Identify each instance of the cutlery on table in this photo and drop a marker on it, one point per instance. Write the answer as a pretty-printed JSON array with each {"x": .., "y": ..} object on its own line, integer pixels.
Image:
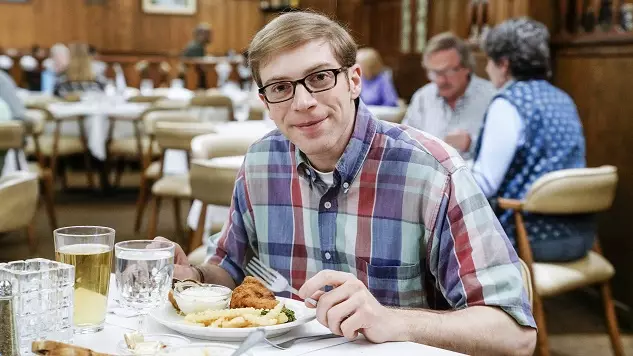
[
  {"x": 287, "y": 344},
  {"x": 251, "y": 340},
  {"x": 272, "y": 279}
]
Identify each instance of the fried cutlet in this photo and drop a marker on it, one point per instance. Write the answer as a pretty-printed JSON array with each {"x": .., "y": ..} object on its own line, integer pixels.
[{"x": 252, "y": 294}]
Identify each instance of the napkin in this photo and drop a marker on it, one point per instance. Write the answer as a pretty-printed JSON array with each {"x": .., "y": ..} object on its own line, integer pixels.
[{"x": 304, "y": 346}]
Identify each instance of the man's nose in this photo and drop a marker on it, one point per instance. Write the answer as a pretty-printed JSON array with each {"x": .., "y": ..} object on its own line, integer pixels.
[{"x": 303, "y": 98}]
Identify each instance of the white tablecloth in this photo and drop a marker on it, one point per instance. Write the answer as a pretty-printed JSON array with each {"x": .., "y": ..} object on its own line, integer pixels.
[
  {"x": 97, "y": 124},
  {"x": 106, "y": 341}
]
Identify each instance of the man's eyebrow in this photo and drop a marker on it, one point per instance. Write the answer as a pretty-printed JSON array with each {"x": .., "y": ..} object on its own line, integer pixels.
[{"x": 314, "y": 68}]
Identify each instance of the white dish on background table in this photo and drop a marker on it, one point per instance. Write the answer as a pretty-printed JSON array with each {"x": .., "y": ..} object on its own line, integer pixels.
[{"x": 167, "y": 316}]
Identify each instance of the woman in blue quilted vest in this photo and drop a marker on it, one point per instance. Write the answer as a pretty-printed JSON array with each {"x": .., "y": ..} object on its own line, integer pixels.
[{"x": 531, "y": 128}]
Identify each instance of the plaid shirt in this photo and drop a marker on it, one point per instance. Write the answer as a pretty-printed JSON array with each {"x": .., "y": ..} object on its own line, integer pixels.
[{"x": 404, "y": 215}]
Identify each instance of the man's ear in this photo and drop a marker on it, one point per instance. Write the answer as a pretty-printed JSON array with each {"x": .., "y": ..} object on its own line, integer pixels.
[
  {"x": 355, "y": 83},
  {"x": 263, "y": 99}
]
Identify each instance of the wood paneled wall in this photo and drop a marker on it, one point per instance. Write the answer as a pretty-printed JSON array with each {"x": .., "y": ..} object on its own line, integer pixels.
[
  {"x": 597, "y": 78},
  {"x": 120, "y": 26}
]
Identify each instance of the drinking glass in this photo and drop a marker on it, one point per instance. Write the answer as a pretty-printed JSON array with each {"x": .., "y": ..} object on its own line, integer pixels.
[
  {"x": 144, "y": 271},
  {"x": 89, "y": 249}
]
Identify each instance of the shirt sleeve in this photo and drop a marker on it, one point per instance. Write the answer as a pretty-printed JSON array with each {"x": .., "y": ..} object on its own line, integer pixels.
[
  {"x": 415, "y": 111},
  {"x": 470, "y": 256},
  {"x": 9, "y": 93},
  {"x": 233, "y": 243},
  {"x": 502, "y": 134},
  {"x": 389, "y": 94}
]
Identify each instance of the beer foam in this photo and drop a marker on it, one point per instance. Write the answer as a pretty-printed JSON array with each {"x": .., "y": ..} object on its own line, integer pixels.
[{"x": 84, "y": 249}]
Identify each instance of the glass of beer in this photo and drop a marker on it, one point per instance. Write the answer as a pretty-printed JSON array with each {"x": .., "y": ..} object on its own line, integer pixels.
[{"x": 89, "y": 249}]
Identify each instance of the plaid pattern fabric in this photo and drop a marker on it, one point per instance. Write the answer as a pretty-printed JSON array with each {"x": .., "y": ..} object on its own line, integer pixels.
[{"x": 403, "y": 213}]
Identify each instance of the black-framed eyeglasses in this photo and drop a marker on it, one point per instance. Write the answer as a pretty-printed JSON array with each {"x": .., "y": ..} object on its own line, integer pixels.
[{"x": 314, "y": 83}]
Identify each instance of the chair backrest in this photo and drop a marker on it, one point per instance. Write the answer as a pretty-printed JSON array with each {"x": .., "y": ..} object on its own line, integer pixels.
[
  {"x": 212, "y": 180},
  {"x": 19, "y": 193},
  {"x": 154, "y": 116},
  {"x": 145, "y": 99},
  {"x": 215, "y": 101},
  {"x": 178, "y": 135},
  {"x": 256, "y": 113},
  {"x": 11, "y": 135},
  {"x": 222, "y": 145},
  {"x": 573, "y": 191},
  {"x": 527, "y": 280}
]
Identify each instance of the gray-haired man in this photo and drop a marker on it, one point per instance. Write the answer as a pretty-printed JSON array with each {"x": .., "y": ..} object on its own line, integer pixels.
[{"x": 453, "y": 105}]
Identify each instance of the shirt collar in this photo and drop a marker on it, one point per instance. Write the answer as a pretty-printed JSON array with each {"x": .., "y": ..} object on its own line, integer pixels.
[
  {"x": 507, "y": 85},
  {"x": 355, "y": 153}
]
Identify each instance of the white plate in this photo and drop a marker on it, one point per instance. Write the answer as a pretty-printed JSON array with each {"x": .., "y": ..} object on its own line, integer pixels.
[{"x": 167, "y": 316}]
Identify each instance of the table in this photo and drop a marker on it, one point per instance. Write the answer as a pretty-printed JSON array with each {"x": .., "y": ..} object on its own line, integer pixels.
[{"x": 107, "y": 339}]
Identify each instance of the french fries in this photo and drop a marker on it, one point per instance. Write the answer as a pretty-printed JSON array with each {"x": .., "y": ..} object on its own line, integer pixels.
[{"x": 238, "y": 318}]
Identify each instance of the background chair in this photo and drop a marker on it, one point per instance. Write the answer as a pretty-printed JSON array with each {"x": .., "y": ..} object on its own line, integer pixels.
[
  {"x": 176, "y": 136},
  {"x": 12, "y": 136},
  {"x": 152, "y": 170},
  {"x": 217, "y": 159},
  {"x": 570, "y": 191},
  {"x": 208, "y": 107},
  {"x": 18, "y": 194},
  {"x": 55, "y": 146}
]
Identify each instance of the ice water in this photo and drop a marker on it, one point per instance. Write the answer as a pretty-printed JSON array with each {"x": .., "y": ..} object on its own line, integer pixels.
[{"x": 144, "y": 277}]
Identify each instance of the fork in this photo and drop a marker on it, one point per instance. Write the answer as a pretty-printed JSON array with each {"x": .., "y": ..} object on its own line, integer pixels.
[
  {"x": 272, "y": 279},
  {"x": 287, "y": 344}
]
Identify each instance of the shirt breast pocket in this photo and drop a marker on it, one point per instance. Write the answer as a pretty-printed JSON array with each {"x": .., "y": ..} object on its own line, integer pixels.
[{"x": 393, "y": 285}]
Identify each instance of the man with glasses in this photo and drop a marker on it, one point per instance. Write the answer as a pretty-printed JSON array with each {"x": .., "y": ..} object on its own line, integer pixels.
[
  {"x": 381, "y": 224},
  {"x": 453, "y": 105}
]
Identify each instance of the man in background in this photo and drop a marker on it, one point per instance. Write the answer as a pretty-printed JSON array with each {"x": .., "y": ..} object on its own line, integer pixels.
[
  {"x": 197, "y": 48},
  {"x": 453, "y": 105}
]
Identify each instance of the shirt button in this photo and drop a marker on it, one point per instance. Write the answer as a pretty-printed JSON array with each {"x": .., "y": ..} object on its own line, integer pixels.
[
  {"x": 345, "y": 185},
  {"x": 328, "y": 256},
  {"x": 327, "y": 205}
]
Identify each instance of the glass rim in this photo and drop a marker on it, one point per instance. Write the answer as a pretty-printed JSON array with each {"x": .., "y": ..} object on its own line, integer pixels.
[
  {"x": 107, "y": 231},
  {"x": 119, "y": 245}
]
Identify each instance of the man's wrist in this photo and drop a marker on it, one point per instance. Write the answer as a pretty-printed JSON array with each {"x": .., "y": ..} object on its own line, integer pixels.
[{"x": 396, "y": 324}]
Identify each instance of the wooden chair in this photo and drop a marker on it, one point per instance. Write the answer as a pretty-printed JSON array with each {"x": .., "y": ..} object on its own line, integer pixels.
[
  {"x": 217, "y": 159},
  {"x": 129, "y": 148},
  {"x": 571, "y": 191},
  {"x": 177, "y": 136},
  {"x": 55, "y": 146},
  {"x": 151, "y": 170},
  {"x": 12, "y": 136},
  {"x": 18, "y": 194}
]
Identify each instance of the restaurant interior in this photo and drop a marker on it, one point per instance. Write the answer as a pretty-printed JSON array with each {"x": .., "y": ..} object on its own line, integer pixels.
[{"x": 157, "y": 150}]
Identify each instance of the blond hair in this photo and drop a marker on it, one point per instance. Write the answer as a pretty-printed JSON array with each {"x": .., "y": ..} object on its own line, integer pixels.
[
  {"x": 447, "y": 40},
  {"x": 294, "y": 29},
  {"x": 371, "y": 62},
  {"x": 80, "y": 65}
]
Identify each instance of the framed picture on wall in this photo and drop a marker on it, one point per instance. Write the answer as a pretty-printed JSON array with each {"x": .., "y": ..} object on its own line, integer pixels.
[{"x": 170, "y": 7}]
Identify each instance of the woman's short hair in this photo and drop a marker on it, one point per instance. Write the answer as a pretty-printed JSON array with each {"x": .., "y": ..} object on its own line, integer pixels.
[
  {"x": 294, "y": 29},
  {"x": 447, "y": 40},
  {"x": 524, "y": 43}
]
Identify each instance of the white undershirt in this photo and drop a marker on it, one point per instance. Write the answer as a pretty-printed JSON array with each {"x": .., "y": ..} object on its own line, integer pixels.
[
  {"x": 503, "y": 134},
  {"x": 326, "y": 177}
]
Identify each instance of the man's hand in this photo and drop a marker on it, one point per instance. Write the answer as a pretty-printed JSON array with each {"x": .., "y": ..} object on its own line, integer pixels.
[
  {"x": 182, "y": 268},
  {"x": 459, "y": 139},
  {"x": 349, "y": 308}
]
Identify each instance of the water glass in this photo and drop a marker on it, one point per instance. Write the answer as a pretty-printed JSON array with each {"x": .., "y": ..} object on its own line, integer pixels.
[
  {"x": 144, "y": 271},
  {"x": 89, "y": 249}
]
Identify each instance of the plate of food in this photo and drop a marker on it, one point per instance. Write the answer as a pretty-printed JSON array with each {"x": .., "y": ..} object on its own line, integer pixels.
[{"x": 214, "y": 312}]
